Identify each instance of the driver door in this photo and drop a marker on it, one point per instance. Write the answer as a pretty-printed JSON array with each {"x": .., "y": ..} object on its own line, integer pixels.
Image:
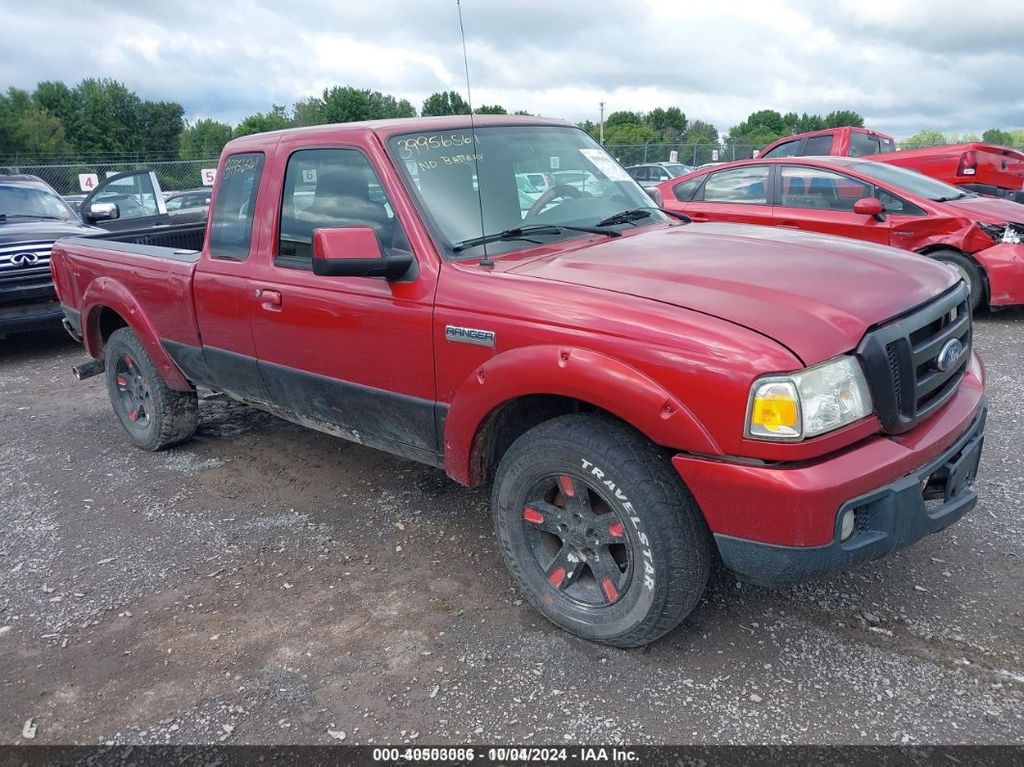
[
  {"x": 353, "y": 353},
  {"x": 139, "y": 200}
]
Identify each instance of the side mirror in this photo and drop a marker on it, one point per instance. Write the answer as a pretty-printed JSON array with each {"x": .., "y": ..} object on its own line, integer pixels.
[
  {"x": 103, "y": 211},
  {"x": 355, "y": 252},
  {"x": 869, "y": 206}
]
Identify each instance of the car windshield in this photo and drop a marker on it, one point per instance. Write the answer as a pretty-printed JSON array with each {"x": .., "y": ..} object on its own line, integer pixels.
[
  {"x": 909, "y": 181},
  {"x": 32, "y": 202},
  {"x": 586, "y": 185}
]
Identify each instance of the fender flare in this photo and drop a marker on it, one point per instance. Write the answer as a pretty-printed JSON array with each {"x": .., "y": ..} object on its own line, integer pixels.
[
  {"x": 106, "y": 293},
  {"x": 582, "y": 374}
]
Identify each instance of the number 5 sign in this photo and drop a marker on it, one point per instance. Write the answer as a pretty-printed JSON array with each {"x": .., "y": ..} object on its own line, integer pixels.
[
  {"x": 209, "y": 175},
  {"x": 88, "y": 181}
]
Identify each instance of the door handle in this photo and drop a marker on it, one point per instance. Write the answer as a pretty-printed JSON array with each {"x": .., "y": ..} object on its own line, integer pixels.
[
  {"x": 787, "y": 225},
  {"x": 271, "y": 299}
]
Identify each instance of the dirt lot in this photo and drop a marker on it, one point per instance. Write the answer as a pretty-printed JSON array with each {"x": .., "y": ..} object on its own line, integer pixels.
[{"x": 268, "y": 584}]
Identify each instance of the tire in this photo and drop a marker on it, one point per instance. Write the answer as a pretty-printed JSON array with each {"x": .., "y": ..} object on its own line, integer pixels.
[
  {"x": 969, "y": 270},
  {"x": 600, "y": 533},
  {"x": 154, "y": 415}
]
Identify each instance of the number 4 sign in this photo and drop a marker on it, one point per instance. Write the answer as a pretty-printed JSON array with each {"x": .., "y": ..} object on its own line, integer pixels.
[
  {"x": 88, "y": 181},
  {"x": 209, "y": 175}
]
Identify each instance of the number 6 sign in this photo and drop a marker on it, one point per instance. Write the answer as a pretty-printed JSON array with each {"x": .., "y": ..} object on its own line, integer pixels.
[{"x": 209, "y": 175}]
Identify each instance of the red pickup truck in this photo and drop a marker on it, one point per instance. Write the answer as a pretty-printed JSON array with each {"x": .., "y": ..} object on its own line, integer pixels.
[
  {"x": 640, "y": 391},
  {"x": 989, "y": 169}
]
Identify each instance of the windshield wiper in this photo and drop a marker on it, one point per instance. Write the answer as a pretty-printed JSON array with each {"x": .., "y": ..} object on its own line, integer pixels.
[
  {"x": 5, "y": 216},
  {"x": 523, "y": 232},
  {"x": 635, "y": 214}
]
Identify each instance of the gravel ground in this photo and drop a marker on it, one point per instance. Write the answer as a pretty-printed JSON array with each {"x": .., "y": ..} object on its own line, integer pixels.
[{"x": 269, "y": 584}]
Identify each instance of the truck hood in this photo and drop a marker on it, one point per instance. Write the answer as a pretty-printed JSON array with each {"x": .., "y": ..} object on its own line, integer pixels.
[
  {"x": 814, "y": 294},
  {"x": 26, "y": 230},
  {"x": 989, "y": 209}
]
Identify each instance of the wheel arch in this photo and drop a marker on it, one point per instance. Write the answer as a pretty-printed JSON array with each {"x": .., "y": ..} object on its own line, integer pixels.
[
  {"x": 931, "y": 250},
  {"x": 521, "y": 388},
  {"x": 108, "y": 305}
]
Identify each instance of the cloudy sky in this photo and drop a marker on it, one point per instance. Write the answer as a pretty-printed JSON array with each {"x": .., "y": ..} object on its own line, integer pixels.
[{"x": 904, "y": 64}]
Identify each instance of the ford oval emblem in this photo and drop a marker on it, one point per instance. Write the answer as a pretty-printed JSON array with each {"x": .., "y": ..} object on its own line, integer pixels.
[{"x": 949, "y": 354}]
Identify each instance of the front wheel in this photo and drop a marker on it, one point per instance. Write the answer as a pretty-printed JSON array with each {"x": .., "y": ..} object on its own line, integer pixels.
[
  {"x": 599, "y": 532},
  {"x": 969, "y": 272}
]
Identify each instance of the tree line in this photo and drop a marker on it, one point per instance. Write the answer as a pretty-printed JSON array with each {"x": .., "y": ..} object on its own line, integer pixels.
[{"x": 103, "y": 117}]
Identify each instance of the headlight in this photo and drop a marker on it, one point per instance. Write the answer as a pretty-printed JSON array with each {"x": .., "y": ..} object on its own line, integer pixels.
[
  {"x": 1011, "y": 234},
  {"x": 805, "y": 404}
]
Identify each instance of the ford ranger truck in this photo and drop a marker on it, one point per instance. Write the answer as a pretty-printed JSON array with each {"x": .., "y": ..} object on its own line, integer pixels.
[{"x": 641, "y": 393}]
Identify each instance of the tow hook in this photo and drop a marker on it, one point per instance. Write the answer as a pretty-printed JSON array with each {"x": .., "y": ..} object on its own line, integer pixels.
[{"x": 88, "y": 369}]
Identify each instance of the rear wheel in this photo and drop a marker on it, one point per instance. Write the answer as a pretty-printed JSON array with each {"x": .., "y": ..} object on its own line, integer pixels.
[
  {"x": 154, "y": 415},
  {"x": 601, "y": 535},
  {"x": 969, "y": 272}
]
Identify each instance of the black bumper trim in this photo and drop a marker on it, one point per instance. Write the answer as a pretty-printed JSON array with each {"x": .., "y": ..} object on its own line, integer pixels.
[{"x": 889, "y": 518}]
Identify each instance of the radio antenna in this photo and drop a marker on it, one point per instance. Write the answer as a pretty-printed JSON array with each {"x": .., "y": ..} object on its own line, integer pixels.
[{"x": 485, "y": 261}]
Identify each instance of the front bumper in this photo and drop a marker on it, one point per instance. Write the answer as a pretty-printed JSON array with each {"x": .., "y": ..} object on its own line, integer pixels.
[
  {"x": 1004, "y": 269},
  {"x": 780, "y": 522},
  {"x": 891, "y": 517}
]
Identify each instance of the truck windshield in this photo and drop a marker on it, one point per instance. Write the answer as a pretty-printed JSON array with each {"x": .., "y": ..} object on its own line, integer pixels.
[
  {"x": 22, "y": 202},
  {"x": 909, "y": 181},
  {"x": 528, "y": 175}
]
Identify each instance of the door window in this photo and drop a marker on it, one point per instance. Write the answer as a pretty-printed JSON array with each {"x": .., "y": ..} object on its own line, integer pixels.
[
  {"x": 819, "y": 189},
  {"x": 864, "y": 143},
  {"x": 818, "y": 145},
  {"x": 134, "y": 196},
  {"x": 327, "y": 189},
  {"x": 789, "y": 149},
  {"x": 748, "y": 184},
  {"x": 231, "y": 228}
]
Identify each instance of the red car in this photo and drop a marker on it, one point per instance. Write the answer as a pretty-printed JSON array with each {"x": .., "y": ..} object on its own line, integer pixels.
[{"x": 865, "y": 200}]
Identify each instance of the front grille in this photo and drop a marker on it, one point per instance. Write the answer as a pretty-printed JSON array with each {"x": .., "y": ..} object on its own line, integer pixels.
[
  {"x": 24, "y": 258},
  {"x": 901, "y": 360}
]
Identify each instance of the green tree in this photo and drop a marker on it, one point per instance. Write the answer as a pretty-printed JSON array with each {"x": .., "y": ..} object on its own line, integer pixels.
[
  {"x": 444, "y": 103},
  {"x": 384, "y": 107},
  {"x": 669, "y": 123},
  {"x": 1016, "y": 138},
  {"x": 630, "y": 133},
  {"x": 203, "y": 140},
  {"x": 843, "y": 117},
  {"x": 623, "y": 118},
  {"x": 927, "y": 137},
  {"x": 161, "y": 125},
  {"x": 493, "y": 109},
  {"x": 996, "y": 136},
  {"x": 261, "y": 122},
  {"x": 700, "y": 132},
  {"x": 759, "y": 129},
  {"x": 26, "y": 128},
  {"x": 110, "y": 118}
]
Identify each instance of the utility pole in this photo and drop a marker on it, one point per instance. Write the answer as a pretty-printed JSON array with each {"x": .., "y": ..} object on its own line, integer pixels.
[{"x": 601, "y": 124}]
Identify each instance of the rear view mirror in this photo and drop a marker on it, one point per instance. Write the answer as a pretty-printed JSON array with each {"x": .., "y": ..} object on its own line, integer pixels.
[
  {"x": 103, "y": 211},
  {"x": 355, "y": 252},
  {"x": 869, "y": 206}
]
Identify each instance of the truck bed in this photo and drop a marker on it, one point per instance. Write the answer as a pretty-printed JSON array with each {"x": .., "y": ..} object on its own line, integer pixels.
[
  {"x": 156, "y": 279},
  {"x": 998, "y": 167}
]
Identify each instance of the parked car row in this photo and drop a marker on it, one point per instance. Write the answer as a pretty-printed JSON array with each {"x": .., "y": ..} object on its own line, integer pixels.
[{"x": 858, "y": 198}]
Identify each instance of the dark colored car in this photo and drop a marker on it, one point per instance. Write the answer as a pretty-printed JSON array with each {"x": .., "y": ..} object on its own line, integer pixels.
[
  {"x": 650, "y": 174},
  {"x": 191, "y": 205},
  {"x": 32, "y": 217}
]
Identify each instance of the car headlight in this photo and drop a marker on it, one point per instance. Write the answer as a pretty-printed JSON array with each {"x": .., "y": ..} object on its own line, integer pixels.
[
  {"x": 808, "y": 403},
  {"x": 1010, "y": 234}
]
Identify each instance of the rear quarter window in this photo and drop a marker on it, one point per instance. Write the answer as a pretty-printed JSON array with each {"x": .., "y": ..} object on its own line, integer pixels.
[
  {"x": 231, "y": 225},
  {"x": 685, "y": 191}
]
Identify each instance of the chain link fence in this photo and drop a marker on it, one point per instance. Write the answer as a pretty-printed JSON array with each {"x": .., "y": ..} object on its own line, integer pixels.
[
  {"x": 688, "y": 154},
  {"x": 68, "y": 177}
]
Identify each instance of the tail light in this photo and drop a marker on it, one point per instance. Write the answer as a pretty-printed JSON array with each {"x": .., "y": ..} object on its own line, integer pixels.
[{"x": 968, "y": 164}]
